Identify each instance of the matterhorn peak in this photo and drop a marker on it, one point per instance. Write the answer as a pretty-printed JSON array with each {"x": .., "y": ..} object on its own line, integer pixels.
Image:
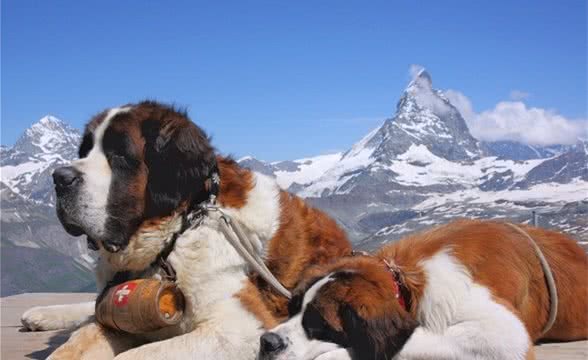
[
  {"x": 421, "y": 79},
  {"x": 425, "y": 117},
  {"x": 420, "y": 95}
]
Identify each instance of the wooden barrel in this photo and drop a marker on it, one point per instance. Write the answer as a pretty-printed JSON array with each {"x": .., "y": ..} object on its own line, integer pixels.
[{"x": 141, "y": 305}]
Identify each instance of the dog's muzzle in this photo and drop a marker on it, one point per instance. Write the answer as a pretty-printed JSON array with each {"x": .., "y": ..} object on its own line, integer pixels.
[
  {"x": 270, "y": 345},
  {"x": 67, "y": 181},
  {"x": 65, "y": 178}
]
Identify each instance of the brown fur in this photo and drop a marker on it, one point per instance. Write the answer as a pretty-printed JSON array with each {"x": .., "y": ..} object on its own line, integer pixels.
[
  {"x": 163, "y": 163},
  {"x": 497, "y": 256},
  {"x": 306, "y": 236},
  {"x": 236, "y": 183},
  {"x": 360, "y": 306},
  {"x": 368, "y": 290},
  {"x": 501, "y": 259}
]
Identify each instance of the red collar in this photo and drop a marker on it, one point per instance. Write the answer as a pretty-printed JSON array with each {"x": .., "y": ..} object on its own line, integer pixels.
[{"x": 397, "y": 283}]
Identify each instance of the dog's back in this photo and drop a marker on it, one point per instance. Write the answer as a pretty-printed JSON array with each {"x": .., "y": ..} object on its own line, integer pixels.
[{"x": 503, "y": 259}]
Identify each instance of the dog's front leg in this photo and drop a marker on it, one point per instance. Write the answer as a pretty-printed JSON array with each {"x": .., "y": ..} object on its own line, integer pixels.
[
  {"x": 57, "y": 317},
  {"x": 93, "y": 341}
]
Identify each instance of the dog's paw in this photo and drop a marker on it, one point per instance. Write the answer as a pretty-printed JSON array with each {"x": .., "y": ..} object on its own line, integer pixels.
[
  {"x": 57, "y": 317},
  {"x": 42, "y": 318}
]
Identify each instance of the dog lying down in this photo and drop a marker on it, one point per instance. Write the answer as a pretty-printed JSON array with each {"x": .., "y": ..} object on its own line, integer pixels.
[{"x": 466, "y": 290}]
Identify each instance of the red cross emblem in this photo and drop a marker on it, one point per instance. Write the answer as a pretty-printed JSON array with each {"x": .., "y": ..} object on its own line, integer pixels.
[{"x": 122, "y": 292}]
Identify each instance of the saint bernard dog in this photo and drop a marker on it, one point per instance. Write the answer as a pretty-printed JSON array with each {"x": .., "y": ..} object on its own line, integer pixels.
[
  {"x": 466, "y": 290},
  {"x": 141, "y": 168}
]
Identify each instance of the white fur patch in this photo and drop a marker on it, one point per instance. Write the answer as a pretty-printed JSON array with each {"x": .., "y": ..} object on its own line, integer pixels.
[
  {"x": 447, "y": 283},
  {"x": 97, "y": 177},
  {"x": 260, "y": 216},
  {"x": 460, "y": 319},
  {"x": 209, "y": 272}
]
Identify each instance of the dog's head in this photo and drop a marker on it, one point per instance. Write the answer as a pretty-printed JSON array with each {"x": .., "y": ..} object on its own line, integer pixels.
[
  {"x": 350, "y": 304},
  {"x": 136, "y": 163}
]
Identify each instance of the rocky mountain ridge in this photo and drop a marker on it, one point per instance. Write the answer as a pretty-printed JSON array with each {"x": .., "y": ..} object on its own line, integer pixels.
[
  {"x": 31, "y": 234},
  {"x": 27, "y": 166},
  {"x": 425, "y": 155}
]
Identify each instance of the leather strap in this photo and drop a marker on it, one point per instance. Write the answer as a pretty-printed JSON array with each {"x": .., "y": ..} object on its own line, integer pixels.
[{"x": 551, "y": 288}]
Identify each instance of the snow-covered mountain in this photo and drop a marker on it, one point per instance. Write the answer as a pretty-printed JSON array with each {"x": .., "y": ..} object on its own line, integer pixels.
[
  {"x": 27, "y": 166},
  {"x": 424, "y": 116},
  {"x": 293, "y": 174},
  {"x": 31, "y": 233},
  {"x": 423, "y": 167},
  {"x": 508, "y": 149},
  {"x": 562, "y": 169}
]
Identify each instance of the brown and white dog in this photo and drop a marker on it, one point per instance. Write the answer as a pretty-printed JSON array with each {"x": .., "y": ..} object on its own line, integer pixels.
[
  {"x": 466, "y": 290},
  {"x": 140, "y": 168}
]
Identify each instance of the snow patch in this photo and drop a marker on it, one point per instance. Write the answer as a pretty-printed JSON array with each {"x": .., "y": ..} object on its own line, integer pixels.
[
  {"x": 309, "y": 169},
  {"x": 8, "y": 173},
  {"x": 244, "y": 158},
  {"x": 340, "y": 173},
  {"x": 419, "y": 167},
  {"x": 576, "y": 190}
]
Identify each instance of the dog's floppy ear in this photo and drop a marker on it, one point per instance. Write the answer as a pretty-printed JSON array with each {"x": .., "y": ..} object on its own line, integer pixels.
[
  {"x": 379, "y": 338},
  {"x": 179, "y": 159}
]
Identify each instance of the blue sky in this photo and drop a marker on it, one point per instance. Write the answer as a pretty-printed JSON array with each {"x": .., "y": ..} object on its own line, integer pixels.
[{"x": 283, "y": 80}]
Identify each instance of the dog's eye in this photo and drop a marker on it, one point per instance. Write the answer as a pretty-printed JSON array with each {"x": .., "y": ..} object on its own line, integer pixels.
[
  {"x": 117, "y": 157},
  {"x": 313, "y": 332},
  {"x": 316, "y": 327},
  {"x": 124, "y": 162},
  {"x": 118, "y": 160},
  {"x": 294, "y": 305},
  {"x": 313, "y": 322}
]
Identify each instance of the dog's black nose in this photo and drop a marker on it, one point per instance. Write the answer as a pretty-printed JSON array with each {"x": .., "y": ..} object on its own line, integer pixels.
[
  {"x": 271, "y": 342},
  {"x": 65, "y": 176}
]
